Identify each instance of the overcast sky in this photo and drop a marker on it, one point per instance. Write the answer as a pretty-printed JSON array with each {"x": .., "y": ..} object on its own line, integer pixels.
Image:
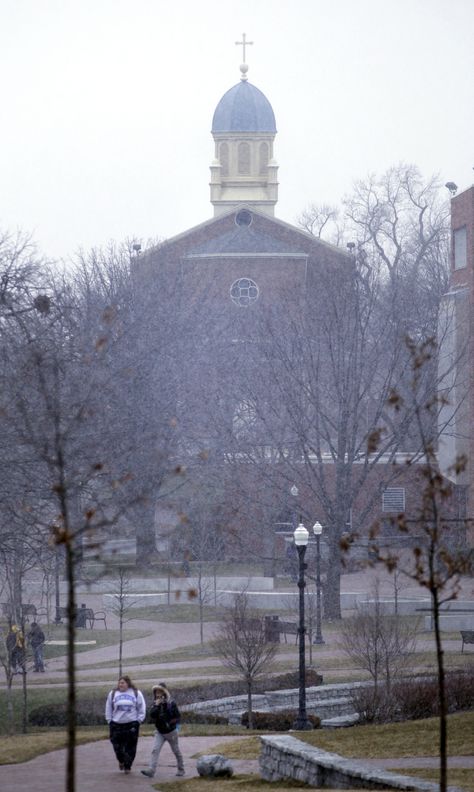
[{"x": 107, "y": 104}]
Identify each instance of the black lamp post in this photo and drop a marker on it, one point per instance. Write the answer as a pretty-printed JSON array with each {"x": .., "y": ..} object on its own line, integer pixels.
[
  {"x": 57, "y": 618},
  {"x": 317, "y": 530},
  {"x": 294, "y": 491},
  {"x": 301, "y": 540}
]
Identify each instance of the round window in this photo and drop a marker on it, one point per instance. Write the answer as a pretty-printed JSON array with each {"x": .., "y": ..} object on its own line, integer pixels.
[
  {"x": 243, "y": 292},
  {"x": 243, "y": 217}
]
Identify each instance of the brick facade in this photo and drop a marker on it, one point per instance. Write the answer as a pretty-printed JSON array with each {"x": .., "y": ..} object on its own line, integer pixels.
[{"x": 460, "y": 309}]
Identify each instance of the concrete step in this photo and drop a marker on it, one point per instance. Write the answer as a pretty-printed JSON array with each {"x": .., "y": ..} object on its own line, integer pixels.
[
  {"x": 340, "y": 722},
  {"x": 331, "y": 708}
]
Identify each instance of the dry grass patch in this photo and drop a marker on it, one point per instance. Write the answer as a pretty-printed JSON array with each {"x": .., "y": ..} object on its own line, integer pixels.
[
  {"x": 239, "y": 783},
  {"x": 411, "y": 738},
  {"x": 463, "y": 778},
  {"x": 23, "y": 747}
]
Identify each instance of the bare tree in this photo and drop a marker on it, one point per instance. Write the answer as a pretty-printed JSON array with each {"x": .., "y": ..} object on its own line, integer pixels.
[
  {"x": 202, "y": 545},
  {"x": 242, "y": 645},
  {"x": 380, "y": 642},
  {"x": 121, "y": 606},
  {"x": 439, "y": 556},
  {"x": 320, "y": 375},
  {"x": 72, "y": 408},
  {"x": 323, "y": 221}
]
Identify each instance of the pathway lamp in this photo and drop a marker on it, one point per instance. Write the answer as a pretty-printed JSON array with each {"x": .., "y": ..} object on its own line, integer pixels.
[
  {"x": 301, "y": 541},
  {"x": 317, "y": 530}
]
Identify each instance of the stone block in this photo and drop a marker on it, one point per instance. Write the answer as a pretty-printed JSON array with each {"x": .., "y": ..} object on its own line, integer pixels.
[{"x": 214, "y": 766}]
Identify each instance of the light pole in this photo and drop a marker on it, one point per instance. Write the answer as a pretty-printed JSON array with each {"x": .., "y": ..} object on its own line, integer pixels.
[
  {"x": 294, "y": 491},
  {"x": 317, "y": 530},
  {"x": 301, "y": 540},
  {"x": 57, "y": 618}
]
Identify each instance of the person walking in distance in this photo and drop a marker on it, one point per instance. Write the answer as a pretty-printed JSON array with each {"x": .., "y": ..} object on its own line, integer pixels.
[
  {"x": 36, "y": 640},
  {"x": 165, "y": 715},
  {"x": 125, "y": 709},
  {"x": 16, "y": 649}
]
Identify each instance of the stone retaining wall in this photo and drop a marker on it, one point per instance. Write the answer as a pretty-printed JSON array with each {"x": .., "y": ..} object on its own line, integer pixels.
[
  {"x": 284, "y": 757},
  {"x": 321, "y": 700},
  {"x": 224, "y": 706}
]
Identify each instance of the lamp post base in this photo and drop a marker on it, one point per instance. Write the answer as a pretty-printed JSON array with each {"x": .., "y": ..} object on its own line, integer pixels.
[
  {"x": 302, "y": 725},
  {"x": 319, "y": 640}
]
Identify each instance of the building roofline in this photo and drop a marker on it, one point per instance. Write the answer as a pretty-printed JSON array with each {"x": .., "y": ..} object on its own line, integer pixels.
[{"x": 282, "y": 223}]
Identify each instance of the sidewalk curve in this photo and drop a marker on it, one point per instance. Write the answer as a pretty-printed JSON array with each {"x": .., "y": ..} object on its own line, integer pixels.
[{"x": 97, "y": 767}]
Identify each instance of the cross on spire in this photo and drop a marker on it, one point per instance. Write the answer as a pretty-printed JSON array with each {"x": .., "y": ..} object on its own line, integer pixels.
[{"x": 244, "y": 43}]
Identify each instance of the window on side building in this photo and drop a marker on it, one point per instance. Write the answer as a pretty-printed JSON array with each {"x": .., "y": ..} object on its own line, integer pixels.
[
  {"x": 393, "y": 499},
  {"x": 460, "y": 247}
]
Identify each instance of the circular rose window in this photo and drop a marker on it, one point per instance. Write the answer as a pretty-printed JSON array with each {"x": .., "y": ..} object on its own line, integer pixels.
[{"x": 244, "y": 292}]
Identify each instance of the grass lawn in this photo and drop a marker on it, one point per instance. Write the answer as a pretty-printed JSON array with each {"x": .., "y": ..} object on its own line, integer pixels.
[
  {"x": 185, "y": 612},
  {"x": 57, "y": 632},
  {"x": 463, "y": 779},
  {"x": 457, "y": 777},
  {"x": 191, "y": 652},
  {"x": 410, "y": 738},
  {"x": 239, "y": 783},
  {"x": 23, "y": 747}
]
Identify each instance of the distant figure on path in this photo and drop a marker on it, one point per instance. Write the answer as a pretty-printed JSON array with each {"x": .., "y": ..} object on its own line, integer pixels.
[
  {"x": 165, "y": 715},
  {"x": 36, "y": 640},
  {"x": 81, "y": 616},
  {"x": 16, "y": 648},
  {"x": 125, "y": 709}
]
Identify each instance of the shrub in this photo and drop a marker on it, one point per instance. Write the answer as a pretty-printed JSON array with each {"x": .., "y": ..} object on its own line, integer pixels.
[
  {"x": 460, "y": 690},
  {"x": 373, "y": 704},
  {"x": 282, "y": 720},
  {"x": 213, "y": 690},
  {"x": 208, "y": 718},
  {"x": 416, "y": 700},
  {"x": 89, "y": 712}
]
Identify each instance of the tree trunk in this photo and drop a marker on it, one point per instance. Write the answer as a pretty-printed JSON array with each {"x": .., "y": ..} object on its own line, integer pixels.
[
  {"x": 9, "y": 675},
  {"x": 443, "y": 710},
  {"x": 120, "y": 643},
  {"x": 249, "y": 704},
  {"x": 332, "y": 589},
  {"x": 71, "y": 672},
  {"x": 24, "y": 719},
  {"x": 146, "y": 542}
]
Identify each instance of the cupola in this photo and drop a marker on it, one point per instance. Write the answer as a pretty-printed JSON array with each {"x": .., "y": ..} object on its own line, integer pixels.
[{"x": 244, "y": 129}]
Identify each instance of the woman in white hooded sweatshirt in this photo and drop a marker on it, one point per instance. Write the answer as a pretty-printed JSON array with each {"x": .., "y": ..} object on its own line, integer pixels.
[{"x": 125, "y": 709}]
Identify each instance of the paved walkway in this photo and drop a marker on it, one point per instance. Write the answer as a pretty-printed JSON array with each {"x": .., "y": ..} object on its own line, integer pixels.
[
  {"x": 168, "y": 636},
  {"x": 97, "y": 767}
]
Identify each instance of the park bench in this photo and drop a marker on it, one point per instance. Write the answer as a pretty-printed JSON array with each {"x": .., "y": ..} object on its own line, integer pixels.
[
  {"x": 467, "y": 638},
  {"x": 88, "y": 617},
  {"x": 287, "y": 628},
  {"x": 97, "y": 616}
]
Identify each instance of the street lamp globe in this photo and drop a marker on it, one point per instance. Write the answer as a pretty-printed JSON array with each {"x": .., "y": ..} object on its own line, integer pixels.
[
  {"x": 301, "y": 536},
  {"x": 294, "y": 491},
  {"x": 317, "y": 528}
]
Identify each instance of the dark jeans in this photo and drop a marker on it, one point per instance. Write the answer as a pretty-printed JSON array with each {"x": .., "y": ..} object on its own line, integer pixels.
[
  {"x": 124, "y": 738},
  {"x": 38, "y": 656}
]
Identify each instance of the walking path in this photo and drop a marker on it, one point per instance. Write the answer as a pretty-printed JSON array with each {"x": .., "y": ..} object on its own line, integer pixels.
[
  {"x": 97, "y": 767},
  {"x": 96, "y": 764}
]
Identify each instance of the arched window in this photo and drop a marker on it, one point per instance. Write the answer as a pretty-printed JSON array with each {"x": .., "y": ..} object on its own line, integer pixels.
[
  {"x": 244, "y": 158},
  {"x": 263, "y": 158},
  {"x": 224, "y": 158}
]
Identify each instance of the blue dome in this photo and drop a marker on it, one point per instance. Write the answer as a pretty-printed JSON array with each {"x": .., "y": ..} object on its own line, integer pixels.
[{"x": 244, "y": 108}]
